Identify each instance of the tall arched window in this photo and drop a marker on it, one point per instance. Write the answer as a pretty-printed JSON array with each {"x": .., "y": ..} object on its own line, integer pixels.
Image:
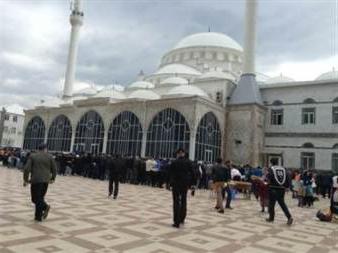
[
  {"x": 208, "y": 139},
  {"x": 34, "y": 134},
  {"x": 60, "y": 134},
  {"x": 167, "y": 132},
  {"x": 89, "y": 133},
  {"x": 125, "y": 135}
]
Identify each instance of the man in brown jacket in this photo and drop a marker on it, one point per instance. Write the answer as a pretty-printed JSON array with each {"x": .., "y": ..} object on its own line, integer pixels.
[{"x": 40, "y": 170}]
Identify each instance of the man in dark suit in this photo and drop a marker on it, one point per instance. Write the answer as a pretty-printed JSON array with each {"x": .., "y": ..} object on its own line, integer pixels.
[
  {"x": 115, "y": 167},
  {"x": 40, "y": 170},
  {"x": 181, "y": 176}
]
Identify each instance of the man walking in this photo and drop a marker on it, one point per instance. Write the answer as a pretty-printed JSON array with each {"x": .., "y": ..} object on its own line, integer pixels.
[
  {"x": 181, "y": 176},
  {"x": 40, "y": 170},
  {"x": 115, "y": 167},
  {"x": 277, "y": 182},
  {"x": 219, "y": 176}
]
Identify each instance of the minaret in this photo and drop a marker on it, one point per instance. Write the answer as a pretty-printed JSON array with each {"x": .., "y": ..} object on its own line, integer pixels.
[
  {"x": 76, "y": 20},
  {"x": 247, "y": 90},
  {"x": 245, "y": 111}
]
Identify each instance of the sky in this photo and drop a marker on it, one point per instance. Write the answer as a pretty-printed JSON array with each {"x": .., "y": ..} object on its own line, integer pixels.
[{"x": 121, "y": 37}]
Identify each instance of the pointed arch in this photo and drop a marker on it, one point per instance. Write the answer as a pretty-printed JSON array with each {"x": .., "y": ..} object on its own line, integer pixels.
[
  {"x": 208, "y": 138},
  {"x": 125, "y": 135},
  {"x": 60, "y": 134},
  {"x": 34, "y": 133},
  {"x": 89, "y": 133},
  {"x": 168, "y": 131}
]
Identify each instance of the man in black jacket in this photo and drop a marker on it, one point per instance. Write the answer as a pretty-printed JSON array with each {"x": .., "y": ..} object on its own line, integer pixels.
[
  {"x": 181, "y": 176},
  {"x": 277, "y": 182},
  {"x": 115, "y": 167}
]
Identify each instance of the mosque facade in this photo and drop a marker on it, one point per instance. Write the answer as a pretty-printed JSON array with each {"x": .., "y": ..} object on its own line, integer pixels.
[{"x": 196, "y": 100}]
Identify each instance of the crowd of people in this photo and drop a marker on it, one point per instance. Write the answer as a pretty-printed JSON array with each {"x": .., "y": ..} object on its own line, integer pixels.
[{"x": 306, "y": 186}]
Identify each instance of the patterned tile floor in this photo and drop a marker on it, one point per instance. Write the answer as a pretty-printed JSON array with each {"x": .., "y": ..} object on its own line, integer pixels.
[{"x": 83, "y": 219}]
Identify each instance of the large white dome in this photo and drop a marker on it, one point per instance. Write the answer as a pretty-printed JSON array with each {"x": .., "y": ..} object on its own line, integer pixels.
[
  {"x": 331, "y": 75},
  {"x": 209, "y": 39},
  {"x": 214, "y": 75},
  {"x": 187, "y": 90}
]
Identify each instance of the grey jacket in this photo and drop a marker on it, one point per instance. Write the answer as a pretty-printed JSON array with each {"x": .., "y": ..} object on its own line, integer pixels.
[{"x": 41, "y": 167}]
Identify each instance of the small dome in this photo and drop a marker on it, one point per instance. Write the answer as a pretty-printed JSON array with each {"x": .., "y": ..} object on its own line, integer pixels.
[
  {"x": 177, "y": 69},
  {"x": 117, "y": 87},
  {"x": 141, "y": 85},
  {"x": 144, "y": 94},
  {"x": 110, "y": 93},
  {"x": 209, "y": 39},
  {"x": 187, "y": 90},
  {"x": 217, "y": 75},
  {"x": 50, "y": 102},
  {"x": 279, "y": 79},
  {"x": 331, "y": 75},
  {"x": 175, "y": 81},
  {"x": 89, "y": 91}
]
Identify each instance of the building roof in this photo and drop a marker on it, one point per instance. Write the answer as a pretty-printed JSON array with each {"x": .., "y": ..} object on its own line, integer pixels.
[
  {"x": 144, "y": 95},
  {"x": 89, "y": 91},
  {"x": 141, "y": 85},
  {"x": 208, "y": 39},
  {"x": 14, "y": 109},
  {"x": 176, "y": 80},
  {"x": 331, "y": 75},
  {"x": 187, "y": 90},
  {"x": 177, "y": 68}
]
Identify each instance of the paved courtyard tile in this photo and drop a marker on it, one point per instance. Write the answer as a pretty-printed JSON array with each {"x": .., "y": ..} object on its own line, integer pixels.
[{"x": 83, "y": 219}]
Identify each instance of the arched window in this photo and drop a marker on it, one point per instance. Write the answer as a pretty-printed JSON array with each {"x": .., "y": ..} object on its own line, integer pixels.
[
  {"x": 167, "y": 132},
  {"x": 125, "y": 135},
  {"x": 34, "y": 134},
  {"x": 60, "y": 134},
  {"x": 89, "y": 133},
  {"x": 308, "y": 145},
  {"x": 208, "y": 139},
  {"x": 335, "y": 100},
  {"x": 309, "y": 101},
  {"x": 335, "y": 146},
  {"x": 277, "y": 102}
]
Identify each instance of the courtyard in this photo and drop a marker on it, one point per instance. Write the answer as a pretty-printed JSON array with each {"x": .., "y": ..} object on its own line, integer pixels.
[{"x": 83, "y": 219}]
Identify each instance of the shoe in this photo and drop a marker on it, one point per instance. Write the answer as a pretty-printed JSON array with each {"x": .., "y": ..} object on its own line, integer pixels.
[
  {"x": 269, "y": 220},
  {"x": 115, "y": 197},
  {"x": 229, "y": 207},
  {"x": 216, "y": 207},
  {"x": 220, "y": 211},
  {"x": 175, "y": 225},
  {"x": 290, "y": 221},
  {"x": 45, "y": 213},
  {"x": 38, "y": 219}
]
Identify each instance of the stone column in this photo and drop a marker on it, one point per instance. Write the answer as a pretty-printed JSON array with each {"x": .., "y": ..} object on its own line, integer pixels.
[
  {"x": 72, "y": 141},
  {"x": 105, "y": 140},
  {"x": 144, "y": 144},
  {"x": 192, "y": 144}
]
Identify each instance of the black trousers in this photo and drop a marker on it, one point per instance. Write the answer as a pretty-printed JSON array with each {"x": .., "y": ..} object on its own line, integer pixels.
[
  {"x": 179, "y": 205},
  {"x": 228, "y": 191},
  {"x": 277, "y": 195},
  {"x": 113, "y": 185},
  {"x": 38, "y": 192}
]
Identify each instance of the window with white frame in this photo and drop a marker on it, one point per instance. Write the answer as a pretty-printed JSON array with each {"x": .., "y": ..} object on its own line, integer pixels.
[
  {"x": 308, "y": 116},
  {"x": 307, "y": 160},
  {"x": 277, "y": 116}
]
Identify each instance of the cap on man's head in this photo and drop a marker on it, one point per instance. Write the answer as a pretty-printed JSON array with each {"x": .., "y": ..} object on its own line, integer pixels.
[{"x": 42, "y": 146}]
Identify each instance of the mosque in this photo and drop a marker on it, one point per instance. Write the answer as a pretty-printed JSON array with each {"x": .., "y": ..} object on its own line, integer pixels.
[{"x": 205, "y": 97}]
